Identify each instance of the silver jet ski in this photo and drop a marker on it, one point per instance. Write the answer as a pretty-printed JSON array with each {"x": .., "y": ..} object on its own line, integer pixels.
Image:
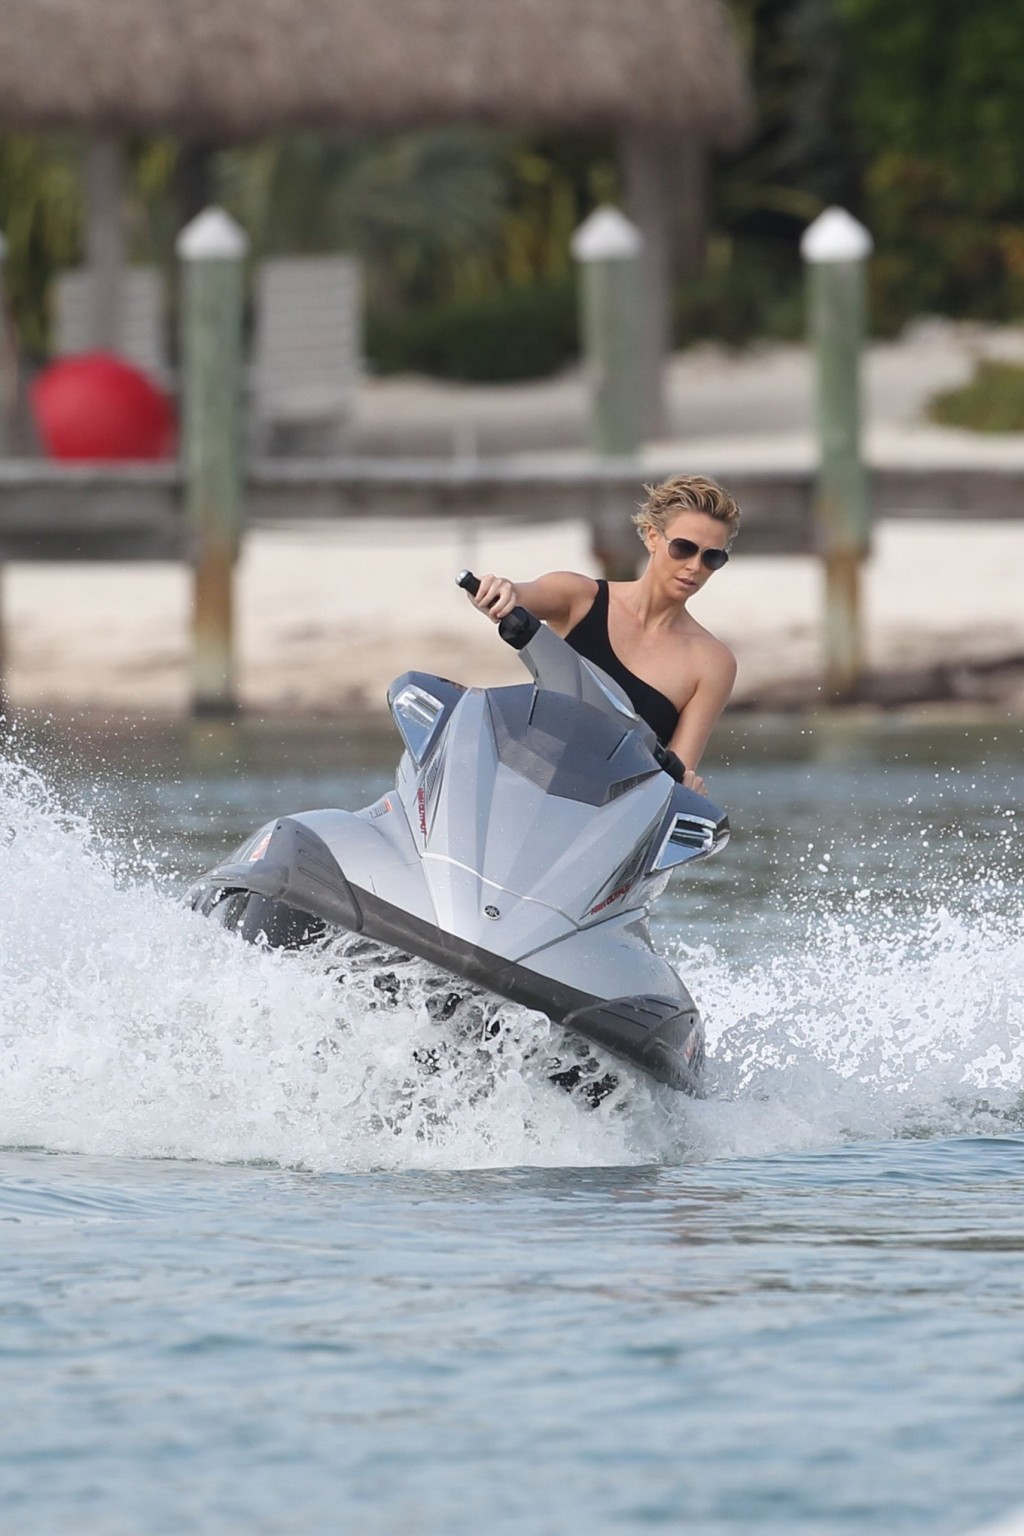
[{"x": 529, "y": 830}]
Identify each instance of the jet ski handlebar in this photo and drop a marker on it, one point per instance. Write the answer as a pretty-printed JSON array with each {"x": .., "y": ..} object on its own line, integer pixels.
[
  {"x": 518, "y": 629},
  {"x": 670, "y": 762}
]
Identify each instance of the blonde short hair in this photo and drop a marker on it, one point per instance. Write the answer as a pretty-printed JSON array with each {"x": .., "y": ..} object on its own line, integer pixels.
[{"x": 686, "y": 493}]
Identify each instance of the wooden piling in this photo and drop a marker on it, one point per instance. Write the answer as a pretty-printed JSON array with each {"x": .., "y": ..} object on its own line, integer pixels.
[
  {"x": 609, "y": 250},
  {"x": 7, "y": 382},
  {"x": 213, "y": 250},
  {"x": 835, "y": 248},
  {"x": 6, "y": 412}
]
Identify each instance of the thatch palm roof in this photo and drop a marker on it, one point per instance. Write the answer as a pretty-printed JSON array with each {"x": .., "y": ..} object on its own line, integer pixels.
[{"x": 219, "y": 70}]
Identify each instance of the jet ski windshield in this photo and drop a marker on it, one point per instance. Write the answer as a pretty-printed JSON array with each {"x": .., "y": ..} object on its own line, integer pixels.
[{"x": 565, "y": 747}]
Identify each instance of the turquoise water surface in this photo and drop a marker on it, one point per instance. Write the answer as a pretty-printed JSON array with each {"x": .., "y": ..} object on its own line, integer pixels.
[{"x": 263, "y": 1270}]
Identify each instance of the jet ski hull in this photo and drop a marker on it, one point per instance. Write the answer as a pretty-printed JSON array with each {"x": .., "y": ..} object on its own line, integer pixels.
[{"x": 294, "y": 892}]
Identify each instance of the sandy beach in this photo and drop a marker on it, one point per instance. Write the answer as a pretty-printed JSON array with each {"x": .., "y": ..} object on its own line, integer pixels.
[{"x": 327, "y": 614}]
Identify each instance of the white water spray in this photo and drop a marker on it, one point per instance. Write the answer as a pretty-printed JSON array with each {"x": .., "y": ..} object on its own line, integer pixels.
[{"x": 130, "y": 1026}]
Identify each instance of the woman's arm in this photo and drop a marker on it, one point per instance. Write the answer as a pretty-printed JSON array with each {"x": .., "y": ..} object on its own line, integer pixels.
[
  {"x": 699, "y": 714},
  {"x": 553, "y": 597}
]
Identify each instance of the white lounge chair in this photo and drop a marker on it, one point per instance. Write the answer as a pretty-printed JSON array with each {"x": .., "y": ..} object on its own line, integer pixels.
[
  {"x": 141, "y": 330},
  {"x": 307, "y": 354}
]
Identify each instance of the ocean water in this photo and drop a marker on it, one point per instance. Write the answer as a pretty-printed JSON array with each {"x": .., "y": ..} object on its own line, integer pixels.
[{"x": 272, "y": 1261}]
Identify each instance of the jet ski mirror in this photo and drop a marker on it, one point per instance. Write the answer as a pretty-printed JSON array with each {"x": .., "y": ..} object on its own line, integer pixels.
[
  {"x": 690, "y": 837},
  {"x": 420, "y": 712},
  {"x": 416, "y": 713}
]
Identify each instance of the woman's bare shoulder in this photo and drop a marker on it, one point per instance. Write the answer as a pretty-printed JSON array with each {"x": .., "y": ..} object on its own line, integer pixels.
[
  {"x": 715, "y": 654},
  {"x": 570, "y": 582},
  {"x": 562, "y": 597}
]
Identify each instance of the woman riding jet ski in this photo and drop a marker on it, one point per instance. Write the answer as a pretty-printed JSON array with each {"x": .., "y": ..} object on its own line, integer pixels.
[
  {"x": 529, "y": 829},
  {"x": 677, "y": 675}
]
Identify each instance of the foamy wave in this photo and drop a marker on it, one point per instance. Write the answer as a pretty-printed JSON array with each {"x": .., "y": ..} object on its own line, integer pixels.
[
  {"x": 130, "y": 1026},
  {"x": 874, "y": 1014}
]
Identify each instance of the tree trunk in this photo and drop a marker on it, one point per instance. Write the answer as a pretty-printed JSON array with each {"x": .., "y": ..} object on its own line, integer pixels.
[
  {"x": 687, "y": 172},
  {"x": 664, "y": 176},
  {"x": 104, "y": 238}
]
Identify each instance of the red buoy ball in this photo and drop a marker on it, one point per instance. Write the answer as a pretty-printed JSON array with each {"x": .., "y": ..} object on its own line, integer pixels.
[{"x": 97, "y": 406}]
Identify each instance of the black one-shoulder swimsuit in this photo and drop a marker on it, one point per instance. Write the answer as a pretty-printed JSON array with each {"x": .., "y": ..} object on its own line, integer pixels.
[{"x": 589, "y": 638}]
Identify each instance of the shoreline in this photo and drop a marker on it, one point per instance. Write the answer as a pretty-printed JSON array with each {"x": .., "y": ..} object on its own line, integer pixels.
[
  {"x": 329, "y": 614},
  {"x": 373, "y": 727},
  {"x": 984, "y": 690}
]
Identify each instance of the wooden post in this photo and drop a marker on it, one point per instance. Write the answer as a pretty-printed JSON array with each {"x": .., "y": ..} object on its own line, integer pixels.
[
  {"x": 212, "y": 249},
  {"x": 7, "y": 381},
  {"x": 835, "y": 248},
  {"x": 6, "y": 412},
  {"x": 609, "y": 250}
]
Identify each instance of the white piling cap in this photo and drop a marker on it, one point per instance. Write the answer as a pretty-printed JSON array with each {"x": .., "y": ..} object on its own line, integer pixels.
[
  {"x": 212, "y": 235},
  {"x": 607, "y": 235},
  {"x": 836, "y": 235}
]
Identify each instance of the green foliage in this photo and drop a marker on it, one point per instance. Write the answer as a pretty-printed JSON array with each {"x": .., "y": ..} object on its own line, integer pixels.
[
  {"x": 938, "y": 93},
  {"x": 520, "y": 332},
  {"x": 747, "y": 291},
  {"x": 463, "y": 234},
  {"x": 410, "y": 204},
  {"x": 443, "y": 219},
  {"x": 993, "y": 400},
  {"x": 802, "y": 156},
  {"x": 40, "y": 219},
  {"x": 909, "y": 115},
  {"x": 435, "y": 214}
]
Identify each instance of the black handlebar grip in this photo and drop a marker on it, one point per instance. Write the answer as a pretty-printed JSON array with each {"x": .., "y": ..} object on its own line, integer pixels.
[
  {"x": 468, "y": 582},
  {"x": 667, "y": 759},
  {"x": 518, "y": 628}
]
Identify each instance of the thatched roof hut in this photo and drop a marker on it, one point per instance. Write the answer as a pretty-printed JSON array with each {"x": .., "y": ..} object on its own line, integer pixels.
[
  {"x": 664, "y": 74},
  {"x": 223, "y": 70}
]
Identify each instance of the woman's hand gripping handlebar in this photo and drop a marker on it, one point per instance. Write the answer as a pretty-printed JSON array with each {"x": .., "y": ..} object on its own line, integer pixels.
[
  {"x": 673, "y": 765},
  {"x": 518, "y": 627}
]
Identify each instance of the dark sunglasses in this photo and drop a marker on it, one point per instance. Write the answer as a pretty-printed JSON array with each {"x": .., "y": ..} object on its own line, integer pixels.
[{"x": 685, "y": 549}]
